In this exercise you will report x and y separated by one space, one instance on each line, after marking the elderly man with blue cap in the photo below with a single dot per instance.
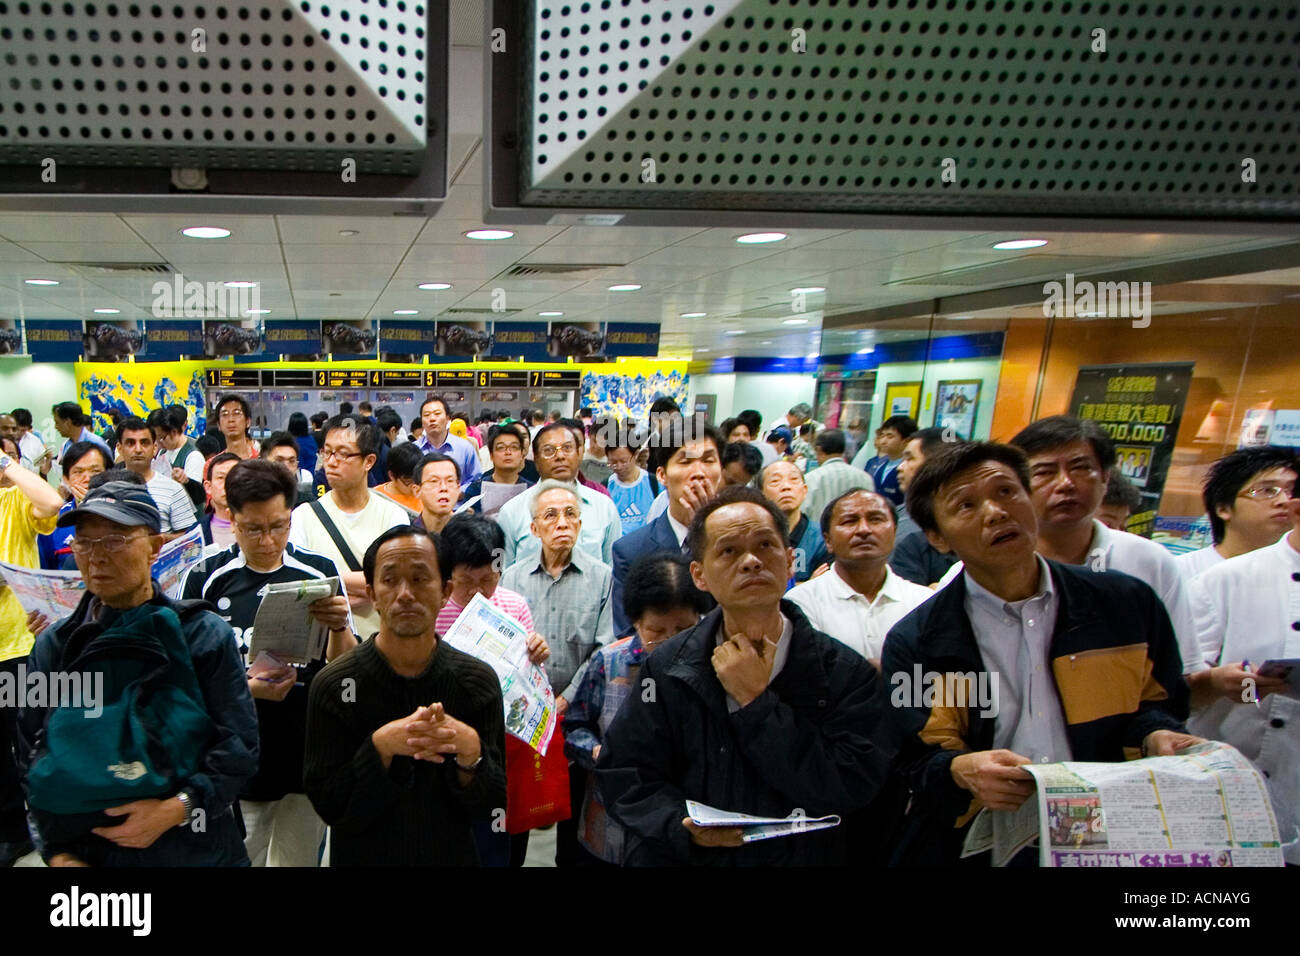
143 768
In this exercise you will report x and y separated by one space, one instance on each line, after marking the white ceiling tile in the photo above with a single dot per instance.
388 230
336 254
65 227
93 251
167 228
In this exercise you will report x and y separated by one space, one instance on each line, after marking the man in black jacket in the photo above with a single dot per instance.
751 710
1018 660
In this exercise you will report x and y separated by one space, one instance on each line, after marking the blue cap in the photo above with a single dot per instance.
781 432
120 502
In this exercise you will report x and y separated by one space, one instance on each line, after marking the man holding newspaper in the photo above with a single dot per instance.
283 829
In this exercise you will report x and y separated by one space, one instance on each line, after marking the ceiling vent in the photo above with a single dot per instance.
121 268
557 270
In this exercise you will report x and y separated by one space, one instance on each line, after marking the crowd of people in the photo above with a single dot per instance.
722 615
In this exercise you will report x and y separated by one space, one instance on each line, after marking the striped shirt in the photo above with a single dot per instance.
504 599
828 481
174 504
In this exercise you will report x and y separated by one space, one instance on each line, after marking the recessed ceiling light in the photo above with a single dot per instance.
41 281
765 342
107 311
433 286
758 237
240 284
349 232
735 332
205 232
795 322
1020 244
489 234
406 312
625 287
810 288
550 313
694 315
257 311
701 350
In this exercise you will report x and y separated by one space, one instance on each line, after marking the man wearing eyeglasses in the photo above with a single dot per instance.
28 507
558 454
234 416
437 436
1247 612
350 515
116 541
283 829
1247 494
507 446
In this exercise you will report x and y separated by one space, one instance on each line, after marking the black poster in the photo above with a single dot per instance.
1140 407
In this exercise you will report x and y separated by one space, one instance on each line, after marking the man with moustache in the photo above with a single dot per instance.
138 445
859 599
1082 665
753 710
690 473
405 734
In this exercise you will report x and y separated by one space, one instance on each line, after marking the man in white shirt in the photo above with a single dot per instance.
358 515
1246 496
35 456
557 454
1069 461
859 599
1248 612
833 476
137 445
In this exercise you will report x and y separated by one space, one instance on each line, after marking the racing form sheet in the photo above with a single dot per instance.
498 640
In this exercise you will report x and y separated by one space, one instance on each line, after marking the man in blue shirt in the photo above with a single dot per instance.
891 439
436 417
632 489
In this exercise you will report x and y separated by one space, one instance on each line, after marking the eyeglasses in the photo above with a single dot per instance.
329 453
448 482
552 515
274 531
509 446
550 451
1268 492
111 543
231 413
290 462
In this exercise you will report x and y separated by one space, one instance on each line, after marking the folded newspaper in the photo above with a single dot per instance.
56 594
284 628
758 828
485 631
1205 806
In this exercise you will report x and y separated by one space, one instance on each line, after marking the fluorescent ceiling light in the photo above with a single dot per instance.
550 313
625 287
694 315
867 351
349 232
813 355
205 232
406 312
1020 244
41 281
240 284
759 237
795 322
489 234
108 311
735 331
256 311
433 286
810 288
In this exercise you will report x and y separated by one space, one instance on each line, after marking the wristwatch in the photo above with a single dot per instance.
471 768
188 803
5 462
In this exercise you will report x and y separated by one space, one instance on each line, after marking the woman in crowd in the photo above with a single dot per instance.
660 600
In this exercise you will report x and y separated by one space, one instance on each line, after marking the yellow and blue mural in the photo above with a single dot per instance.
137 388
629 393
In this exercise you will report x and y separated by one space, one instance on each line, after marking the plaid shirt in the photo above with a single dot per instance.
611 678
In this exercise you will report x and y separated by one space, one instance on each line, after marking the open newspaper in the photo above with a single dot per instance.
56 594
485 631
758 828
1205 806
283 626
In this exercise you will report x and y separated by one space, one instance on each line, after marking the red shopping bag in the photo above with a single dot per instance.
537 787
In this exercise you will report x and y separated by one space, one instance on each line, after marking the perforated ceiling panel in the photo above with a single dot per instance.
1190 110
256 84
